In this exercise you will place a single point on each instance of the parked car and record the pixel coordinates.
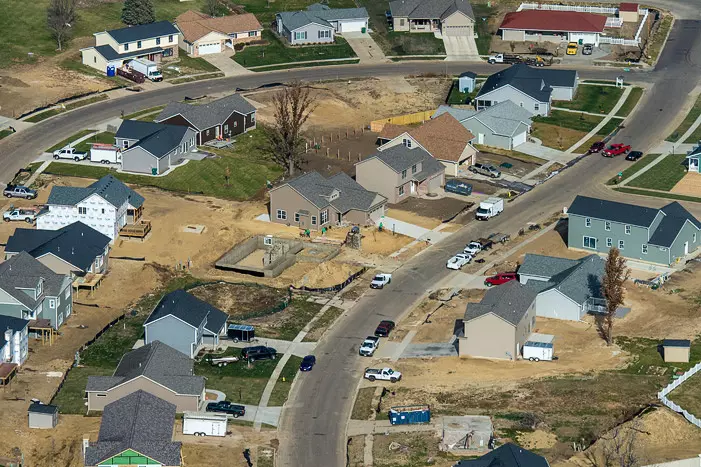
(473, 248)
(572, 48)
(485, 243)
(19, 214)
(459, 187)
(369, 345)
(258, 352)
(615, 150)
(70, 153)
(308, 363)
(384, 328)
(596, 147)
(18, 191)
(384, 374)
(588, 49)
(227, 408)
(380, 280)
(458, 261)
(485, 169)
(499, 279)
(634, 155)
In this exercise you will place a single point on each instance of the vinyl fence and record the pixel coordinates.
(662, 395)
(418, 117)
(580, 8)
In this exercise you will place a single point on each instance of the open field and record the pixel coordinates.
(416, 449)
(592, 98)
(363, 409)
(555, 136)
(688, 395)
(690, 118)
(664, 175)
(278, 52)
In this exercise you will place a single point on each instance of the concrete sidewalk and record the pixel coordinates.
(300, 349)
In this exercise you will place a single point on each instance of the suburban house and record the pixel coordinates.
(155, 368)
(449, 17)
(692, 159)
(185, 323)
(135, 430)
(534, 89)
(74, 249)
(567, 288)
(507, 455)
(153, 41)
(552, 26)
(202, 34)
(319, 23)
(14, 341)
(443, 137)
(107, 205)
(313, 202)
(399, 172)
(152, 148)
(661, 236)
(29, 290)
(503, 125)
(500, 324)
(220, 119)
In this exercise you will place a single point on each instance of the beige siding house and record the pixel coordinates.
(203, 35)
(449, 17)
(500, 324)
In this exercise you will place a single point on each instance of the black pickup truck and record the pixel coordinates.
(227, 408)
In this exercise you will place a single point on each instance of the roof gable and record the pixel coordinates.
(205, 116)
(143, 32)
(22, 271)
(521, 77)
(318, 190)
(108, 187)
(509, 301)
(443, 137)
(188, 309)
(195, 25)
(612, 211)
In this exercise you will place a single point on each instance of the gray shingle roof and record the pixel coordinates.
(10, 322)
(190, 309)
(109, 188)
(577, 279)
(400, 158)
(141, 422)
(545, 266)
(504, 118)
(76, 243)
(42, 408)
(143, 32)
(335, 14)
(613, 211)
(459, 114)
(318, 189)
(509, 301)
(202, 117)
(675, 218)
(158, 362)
(508, 455)
(157, 138)
(319, 14)
(522, 77)
(296, 19)
(110, 54)
(430, 9)
(23, 271)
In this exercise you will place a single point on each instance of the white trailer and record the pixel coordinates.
(105, 153)
(204, 423)
(489, 208)
(537, 351)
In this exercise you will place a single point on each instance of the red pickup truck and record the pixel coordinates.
(499, 279)
(616, 150)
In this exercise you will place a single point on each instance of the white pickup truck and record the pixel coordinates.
(380, 280)
(369, 345)
(70, 153)
(384, 374)
(27, 215)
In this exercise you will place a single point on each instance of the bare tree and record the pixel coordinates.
(210, 7)
(615, 274)
(285, 145)
(619, 448)
(60, 17)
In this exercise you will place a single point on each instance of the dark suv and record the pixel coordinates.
(227, 407)
(259, 352)
(384, 328)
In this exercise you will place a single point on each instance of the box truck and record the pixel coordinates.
(105, 153)
(489, 208)
(147, 68)
(204, 424)
(537, 351)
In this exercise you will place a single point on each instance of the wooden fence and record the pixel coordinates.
(662, 395)
(418, 117)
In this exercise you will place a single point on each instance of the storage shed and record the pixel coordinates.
(467, 81)
(628, 12)
(676, 350)
(42, 415)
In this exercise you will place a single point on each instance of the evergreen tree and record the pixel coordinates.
(137, 12)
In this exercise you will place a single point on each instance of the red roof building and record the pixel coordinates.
(552, 26)
(628, 7)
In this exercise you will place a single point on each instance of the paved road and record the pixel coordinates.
(312, 430)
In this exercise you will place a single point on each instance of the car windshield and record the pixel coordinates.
(378, 278)
(390, 372)
(483, 211)
(308, 359)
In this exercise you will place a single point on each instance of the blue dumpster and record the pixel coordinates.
(456, 186)
(111, 70)
(410, 414)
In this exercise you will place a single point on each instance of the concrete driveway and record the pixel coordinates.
(430, 350)
(541, 151)
(458, 48)
(364, 47)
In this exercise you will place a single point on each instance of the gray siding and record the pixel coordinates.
(562, 94)
(42, 420)
(16, 311)
(139, 161)
(552, 304)
(173, 332)
(312, 31)
(489, 139)
(686, 235)
(517, 97)
(120, 142)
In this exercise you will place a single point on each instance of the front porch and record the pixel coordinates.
(424, 25)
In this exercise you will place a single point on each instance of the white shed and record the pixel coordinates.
(466, 81)
(42, 415)
(204, 423)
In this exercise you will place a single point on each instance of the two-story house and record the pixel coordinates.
(29, 290)
(14, 340)
(154, 41)
(661, 236)
(107, 205)
(400, 171)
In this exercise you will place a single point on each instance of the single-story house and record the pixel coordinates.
(155, 368)
(661, 236)
(220, 119)
(692, 159)
(319, 23)
(500, 324)
(135, 430)
(449, 17)
(42, 415)
(74, 249)
(503, 125)
(507, 455)
(14, 336)
(443, 137)
(202, 34)
(398, 172)
(185, 323)
(153, 41)
(552, 26)
(313, 202)
(152, 148)
(107, 205)
(628, 12)
(566, 288)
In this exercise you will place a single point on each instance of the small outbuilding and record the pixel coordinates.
(466, 81)
(628, 12)
(42, 415)
(676, 350)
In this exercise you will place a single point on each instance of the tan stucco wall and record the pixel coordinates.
(676, 354)
(375, 175)
(397, 23)
(182, 403)
(451, 168)
(289, 200)
(57, 265)
(492, 337)
(512, 35)
(628, 16)
(458, 19)
(94, 60)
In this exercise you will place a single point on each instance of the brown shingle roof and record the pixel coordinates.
(391, 131)
(444, 137)
(195, 25)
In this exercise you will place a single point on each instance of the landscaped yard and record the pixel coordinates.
(457, 97)
(140, 114)
(633, 168)
(66, 107)
(5, 133)
(688, 395)
(610, 126)
(249, 172)
(482, 13)
(593, 98)
(631, 101)
(69, 140)
(277, 52)
(664, 175)
(561, 129)
(284, 382)
(105, 137)
(687, 122)
(572, 120)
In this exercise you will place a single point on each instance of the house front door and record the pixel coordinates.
(693, 165)
(413, 187)
(480, 138)
(686, 248)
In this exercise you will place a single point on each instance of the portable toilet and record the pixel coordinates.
(466, 81)
(111, 70)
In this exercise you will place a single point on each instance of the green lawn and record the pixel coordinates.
(66, 107)
(664, 175)
(633, 168)
(687, 122)
(44, 115)
(306, 65)
(141, 113)
(284, 382)
(320, 326)
(610, 126)
(5, 133)
(70, 399)
(291, 320)
(631, 101)
(188, 79)
(105, 137)
(69, 140)
(658, 194)
(647, 358)
(198, 63)
(277, 52)
(688, 395)
(265, 10)
(571, 120)
(455, 96)
(248, 172)
(482, 13)
(592, 98)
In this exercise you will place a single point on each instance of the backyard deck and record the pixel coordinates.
(138, 230)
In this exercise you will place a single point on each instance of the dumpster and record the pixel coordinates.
(409, 414)
(459, 187)
(240, 332)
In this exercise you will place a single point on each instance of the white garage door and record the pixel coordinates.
(209, 48)
(519, 139)
(352, 26)
(457, 30)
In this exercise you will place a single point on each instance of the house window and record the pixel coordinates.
(313, 220)
(126, 47)
(39, 288)
(324, 34)
(170, 38)
(158, 41)
(413, 169)
(281, 214)
(167, 52)
(521, 104)
(252, 33)
(403, 174)
(536, 107)
(627, 230)
(82, 210)
(609, 242)
(587, 222)
(101, 395)
(226, 128)
(300, 35)
(296, 217)
(607, 225)
(621, 244)
(138, 44)
(103, 210)
(401, 22)
(253, 118)
(52, 303)
(694, 238)
(94, 59)
(407, 142)
(590, 242)
(324, 216)
(644, 249)
(125, 144)
(236, 123)
(401, 191)
(67, 294)
(206, 132)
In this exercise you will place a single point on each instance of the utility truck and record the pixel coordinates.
(147, 68)
(489, 208)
